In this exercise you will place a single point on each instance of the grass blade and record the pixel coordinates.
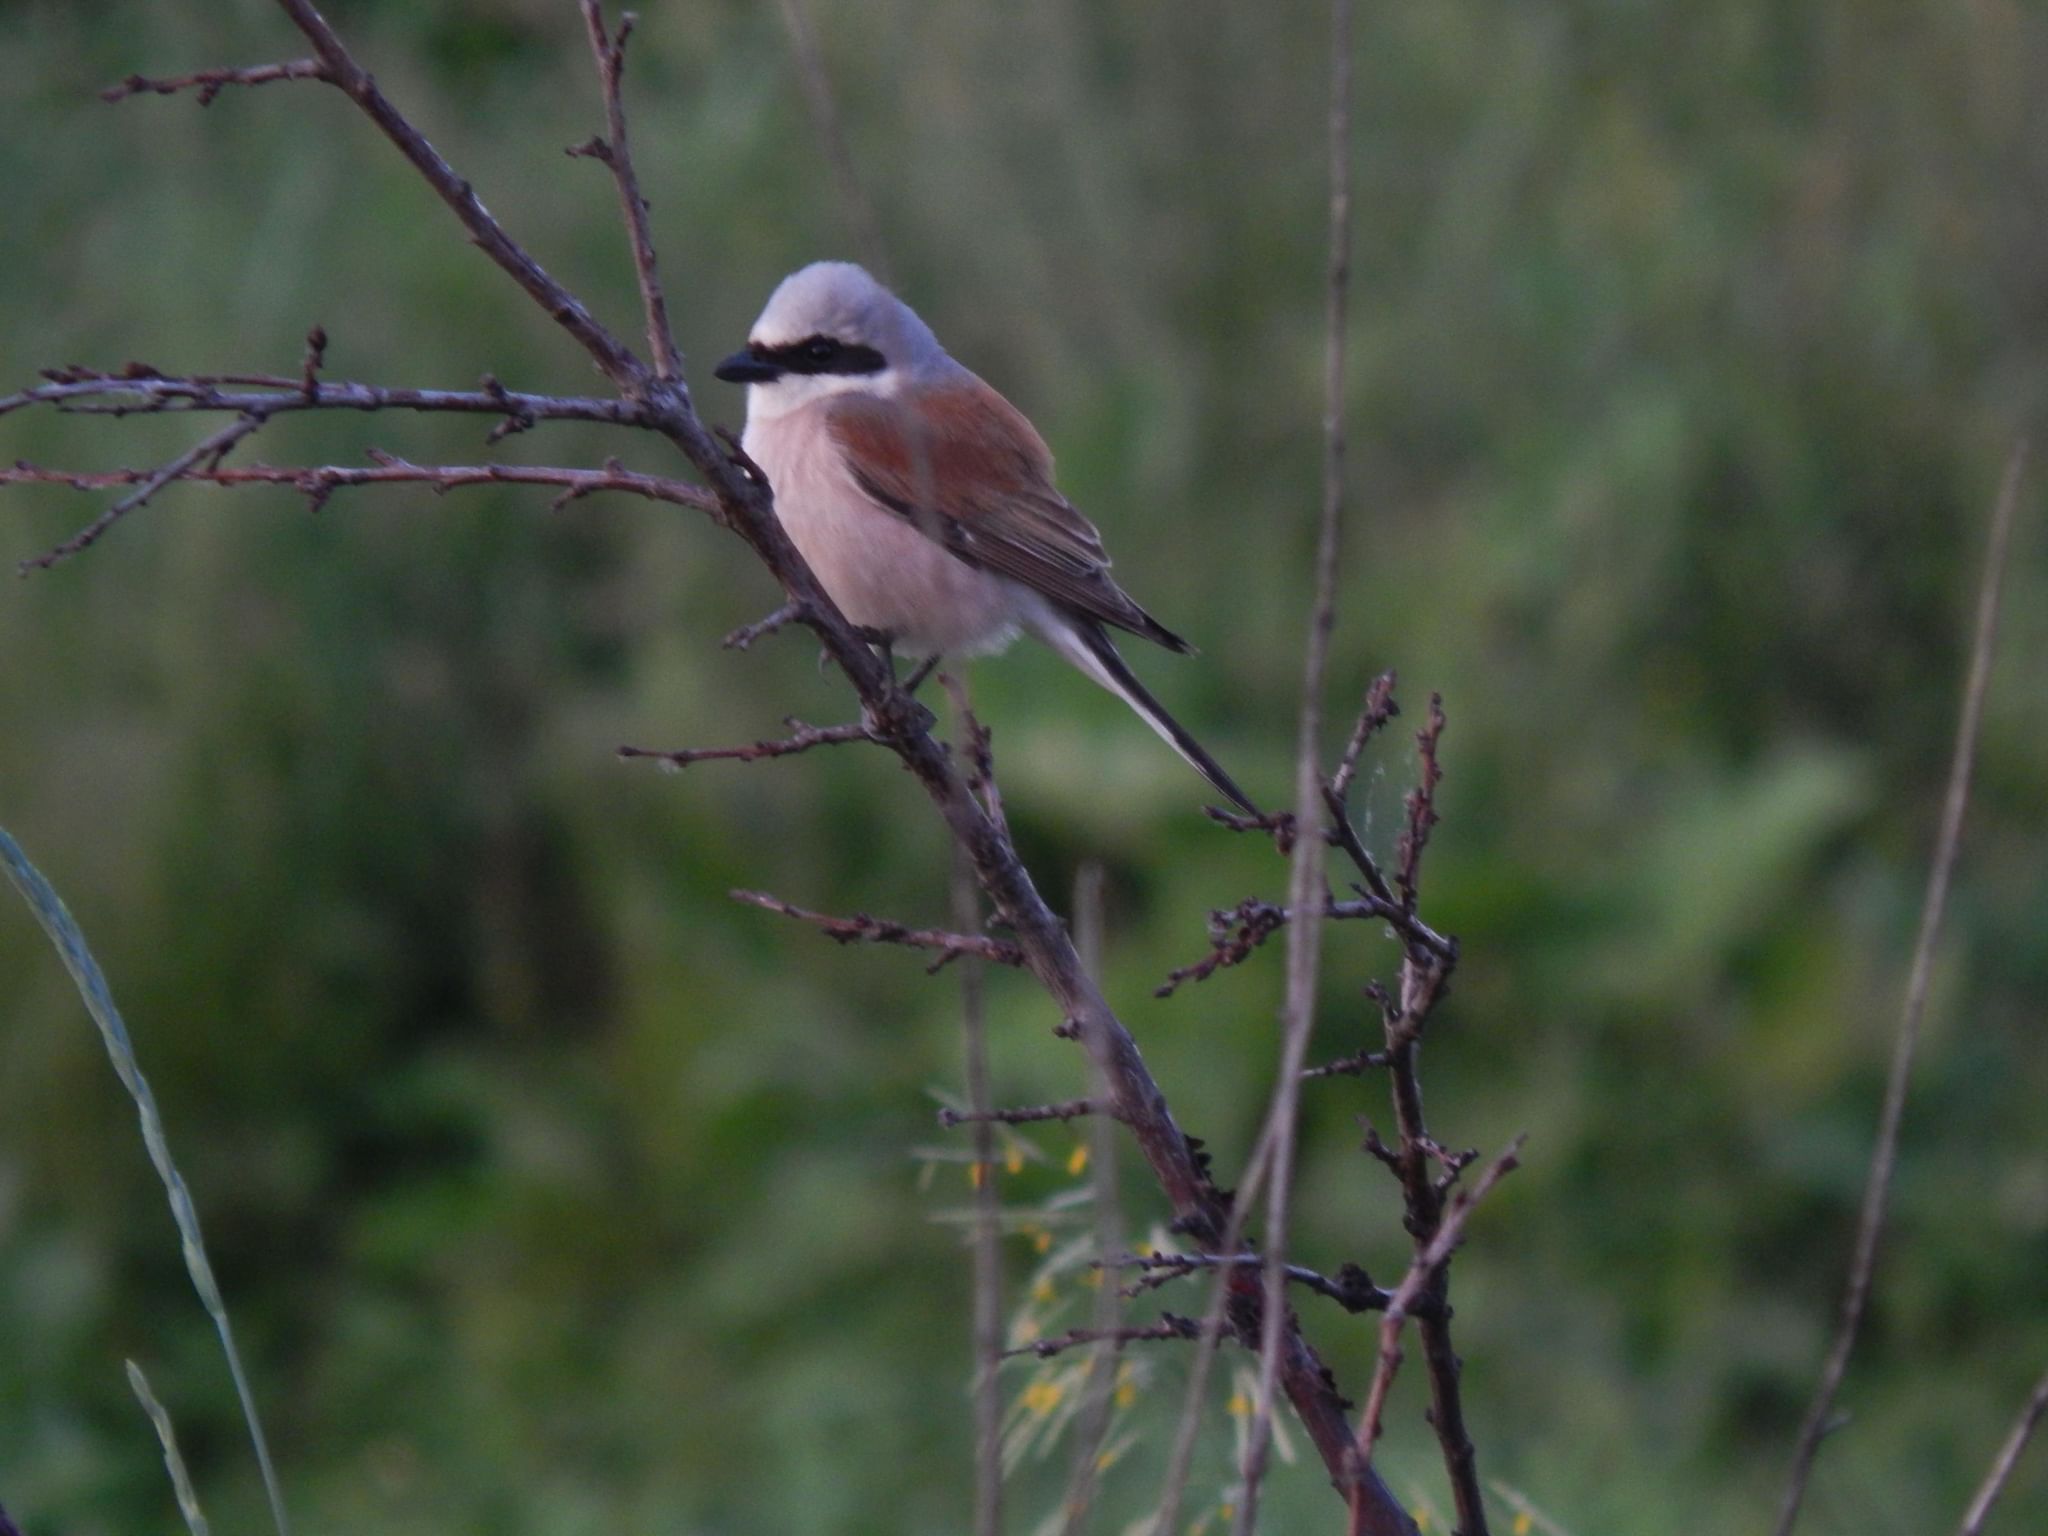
(174, 1463)
(57, 922)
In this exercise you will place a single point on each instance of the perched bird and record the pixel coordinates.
(924, 500)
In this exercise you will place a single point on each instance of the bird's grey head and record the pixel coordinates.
(827, 328)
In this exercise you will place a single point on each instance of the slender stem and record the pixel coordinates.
(1884, 1157)
(1305, 885)
(2007, 1458)
(610, 53)
(987, 1234)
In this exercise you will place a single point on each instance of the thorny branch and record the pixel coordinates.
(653, 399)
(1352, 1289)
(1170, 1326)
(801, 739)
(863, 929)
(1029, 1114)
(1421, 1286)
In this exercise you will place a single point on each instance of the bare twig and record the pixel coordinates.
(141, 390)
(1029, 1114)
(863, 929)
(1421, 805)
(209, 83)
(617, 154)
(1421, 1286)
(1098, 1389)
(1352, 1289)
(802, 738)
(317, 482)
(1305, 884)
(987, 1232)
(761, 628)
(817, 89)
(204, 456)
(1170, 1326)
(1357, 1064)
(1884, 1157)
(1379, 707)
(2007, 1458)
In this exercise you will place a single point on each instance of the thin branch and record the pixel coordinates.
(141, 390)
(761, 628)
(1422, 1283)
(1170, 1326)
(1352, 1289)
(1355, 1065)
(2008, 1457)
(1029, 1114)
(1098, 1388)
(613, 358)
(863, 929)
(817, 89)
(1421, 805)
(204, 456)
(317, 482)
(1305, 885)
(987, 1233)
(1884, 1157)
(209, 83)
(1379, 707)
(802, 738)
(617, 154)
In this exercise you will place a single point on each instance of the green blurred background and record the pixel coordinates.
(555, 1194)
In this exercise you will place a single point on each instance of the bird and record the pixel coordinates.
(923, 500)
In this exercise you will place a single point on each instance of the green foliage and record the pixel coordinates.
(557, 1194)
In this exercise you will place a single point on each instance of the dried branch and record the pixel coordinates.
(1421, 805)
(317, 482)
(1098, 1388)
(1357, 1064)
(1352, 1289)
(2007, 1458)
(616, 153)
(802, 738)
(204, 456)
(1379, 707)
(1170, 1326)
(1236, 933)
(1029, 1114)
(761, 628)
(141, 390)
(209, 83)
(1305, 883)
(863, 929)
(986, 1237)
(1884, 1157)
(1422, 1287)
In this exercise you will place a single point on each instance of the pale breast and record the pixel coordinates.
(880, 570)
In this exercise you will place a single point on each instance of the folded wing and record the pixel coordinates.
(963, 465)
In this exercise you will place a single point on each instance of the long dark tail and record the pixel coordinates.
(1088, 646)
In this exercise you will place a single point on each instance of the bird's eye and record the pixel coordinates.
(821, 349)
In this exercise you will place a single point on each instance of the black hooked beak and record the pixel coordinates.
(745, 368)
